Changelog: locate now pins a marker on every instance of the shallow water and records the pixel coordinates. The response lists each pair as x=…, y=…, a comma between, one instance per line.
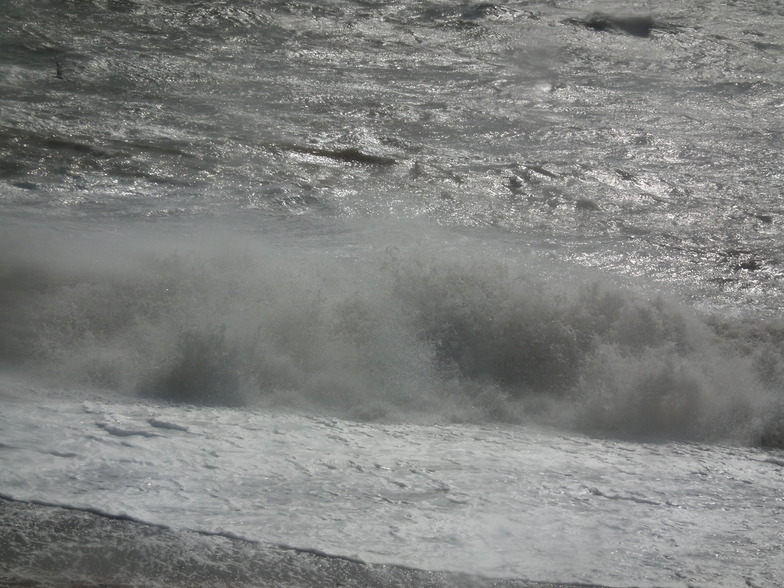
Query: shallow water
x=497, y=501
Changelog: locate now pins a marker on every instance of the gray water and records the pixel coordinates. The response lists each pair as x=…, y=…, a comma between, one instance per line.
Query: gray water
x=433, y=214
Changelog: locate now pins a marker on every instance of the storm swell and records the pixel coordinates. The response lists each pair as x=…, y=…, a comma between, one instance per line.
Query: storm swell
x=404, y=333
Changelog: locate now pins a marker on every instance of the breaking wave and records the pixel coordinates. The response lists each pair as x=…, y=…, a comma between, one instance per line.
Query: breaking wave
x=399, y=332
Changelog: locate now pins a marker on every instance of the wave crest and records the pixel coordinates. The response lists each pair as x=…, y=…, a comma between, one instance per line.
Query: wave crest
x=406, y=333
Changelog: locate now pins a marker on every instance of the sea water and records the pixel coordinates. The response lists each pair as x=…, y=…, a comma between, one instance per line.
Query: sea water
x=383, y=293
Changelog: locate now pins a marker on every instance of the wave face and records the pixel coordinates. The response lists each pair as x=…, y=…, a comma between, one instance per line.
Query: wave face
x=400, y=332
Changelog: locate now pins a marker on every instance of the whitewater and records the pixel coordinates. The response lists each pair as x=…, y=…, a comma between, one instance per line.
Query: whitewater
x=370, y=293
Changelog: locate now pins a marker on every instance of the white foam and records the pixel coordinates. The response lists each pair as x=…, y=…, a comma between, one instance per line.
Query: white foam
x=512, y=501
x=390, y=330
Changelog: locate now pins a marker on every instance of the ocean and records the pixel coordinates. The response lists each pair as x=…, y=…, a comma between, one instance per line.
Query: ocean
x=388, y=293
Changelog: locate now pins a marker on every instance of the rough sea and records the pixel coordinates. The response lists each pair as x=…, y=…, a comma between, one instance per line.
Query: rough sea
x=391, y=293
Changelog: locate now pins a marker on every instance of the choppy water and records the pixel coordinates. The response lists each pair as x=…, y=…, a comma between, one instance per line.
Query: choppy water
x=373, y=268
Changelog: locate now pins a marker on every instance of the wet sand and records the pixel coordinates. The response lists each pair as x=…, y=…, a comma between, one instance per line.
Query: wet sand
x=49, y=546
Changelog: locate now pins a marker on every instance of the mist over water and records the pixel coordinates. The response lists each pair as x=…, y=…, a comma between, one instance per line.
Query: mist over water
x=423, y=329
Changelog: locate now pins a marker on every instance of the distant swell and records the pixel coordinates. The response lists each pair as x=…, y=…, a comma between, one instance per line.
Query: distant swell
x=402, y=333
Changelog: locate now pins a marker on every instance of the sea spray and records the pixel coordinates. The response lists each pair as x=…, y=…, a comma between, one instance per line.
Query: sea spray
x=405, y=332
